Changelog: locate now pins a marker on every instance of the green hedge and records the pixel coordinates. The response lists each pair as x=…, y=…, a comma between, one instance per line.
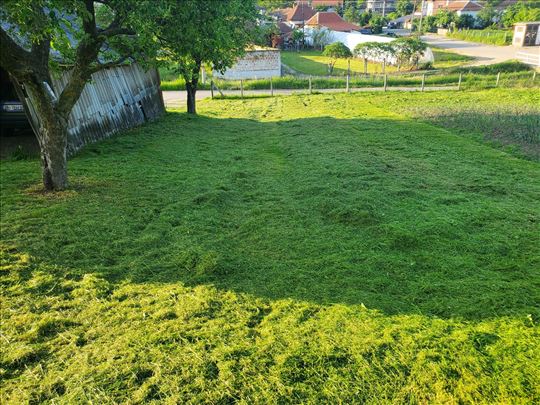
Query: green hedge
x=490, y=37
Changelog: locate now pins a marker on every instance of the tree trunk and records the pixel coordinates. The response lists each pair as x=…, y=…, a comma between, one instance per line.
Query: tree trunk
x=53, y=144
x=191, y=100
x=192, y=80
x=51, y=134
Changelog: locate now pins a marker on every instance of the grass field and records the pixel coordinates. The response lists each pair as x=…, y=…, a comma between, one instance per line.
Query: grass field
x=314, y=63
x=315, y=249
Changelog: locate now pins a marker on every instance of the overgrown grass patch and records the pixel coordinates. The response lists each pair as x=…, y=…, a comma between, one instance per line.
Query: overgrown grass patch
x=485, y=36
x=509, y=121
x=313, y=248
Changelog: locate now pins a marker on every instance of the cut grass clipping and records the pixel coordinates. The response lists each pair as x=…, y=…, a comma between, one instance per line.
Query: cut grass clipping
x=303, y=249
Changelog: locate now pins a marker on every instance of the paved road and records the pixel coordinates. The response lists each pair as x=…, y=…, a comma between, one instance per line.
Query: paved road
x=174, y=99
x=485, y=54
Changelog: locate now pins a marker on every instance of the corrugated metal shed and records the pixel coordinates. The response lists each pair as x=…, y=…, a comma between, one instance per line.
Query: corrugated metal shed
x=115, y=99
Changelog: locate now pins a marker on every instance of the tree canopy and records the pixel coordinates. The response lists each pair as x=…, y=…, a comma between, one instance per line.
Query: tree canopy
x=335, y=51
x=83, y=36
x=404, y=7
x=193, y=33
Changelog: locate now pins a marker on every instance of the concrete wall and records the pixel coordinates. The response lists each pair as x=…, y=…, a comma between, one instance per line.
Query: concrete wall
x=257, y=64
x=520, y=31
x=115, y=99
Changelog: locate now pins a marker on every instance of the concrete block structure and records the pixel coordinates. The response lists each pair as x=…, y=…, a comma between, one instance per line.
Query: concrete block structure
x=527, y=34
x=257, y=63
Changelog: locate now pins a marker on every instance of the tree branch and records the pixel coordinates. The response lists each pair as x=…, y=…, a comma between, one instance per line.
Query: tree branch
x=13, y=57
x=101, y=66
x=113, y=31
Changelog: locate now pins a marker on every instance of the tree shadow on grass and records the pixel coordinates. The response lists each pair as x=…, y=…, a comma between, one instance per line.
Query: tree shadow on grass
x=397, y=215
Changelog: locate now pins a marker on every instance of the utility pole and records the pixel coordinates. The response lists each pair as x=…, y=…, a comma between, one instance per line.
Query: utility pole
x=421, y=15
x=383, y=7
x=414, y=11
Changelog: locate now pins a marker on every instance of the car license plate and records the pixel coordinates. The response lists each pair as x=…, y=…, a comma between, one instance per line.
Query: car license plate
x=13, y=108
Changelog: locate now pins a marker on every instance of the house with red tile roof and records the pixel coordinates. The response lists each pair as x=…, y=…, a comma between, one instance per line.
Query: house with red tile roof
x=297, y=15
x=332, y=21
x=432, y=7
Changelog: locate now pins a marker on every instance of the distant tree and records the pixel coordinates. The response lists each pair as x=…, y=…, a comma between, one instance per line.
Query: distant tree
x=377, y=22
x=521, y=12
x=265, y=32
x=321, y=8
x=335, y=51
x=429, y=24
x=465, y=21
x=408, y=51
x=364, y=18
x=321, y=37
x=193, y=33
x=445, y=18
x=351, y=14
x=365, y=51
x=486, y=17
x=275, y=4
x=298, y=37
x=404, y=7
x=356, y=5
x=375, y=51
x=85, y=36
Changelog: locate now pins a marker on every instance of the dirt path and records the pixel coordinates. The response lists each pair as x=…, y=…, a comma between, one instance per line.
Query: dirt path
x=484, y=54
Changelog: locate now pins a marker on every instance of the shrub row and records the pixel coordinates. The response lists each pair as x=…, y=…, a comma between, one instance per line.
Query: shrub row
x=490, y=37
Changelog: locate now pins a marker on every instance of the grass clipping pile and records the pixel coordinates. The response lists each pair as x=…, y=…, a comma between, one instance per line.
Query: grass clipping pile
x=82, y=339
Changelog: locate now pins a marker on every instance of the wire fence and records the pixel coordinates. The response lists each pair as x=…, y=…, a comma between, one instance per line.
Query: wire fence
x=412, y=82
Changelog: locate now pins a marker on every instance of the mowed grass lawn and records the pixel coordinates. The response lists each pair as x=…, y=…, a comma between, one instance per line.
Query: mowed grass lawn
x=313, y=62
x=315, y=249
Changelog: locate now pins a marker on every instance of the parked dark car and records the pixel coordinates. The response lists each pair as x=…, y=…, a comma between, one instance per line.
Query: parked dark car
x=12, y=115
x=366, y=30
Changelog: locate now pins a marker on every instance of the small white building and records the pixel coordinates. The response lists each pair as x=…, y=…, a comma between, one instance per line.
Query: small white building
x=526, y=34
x=257, y=63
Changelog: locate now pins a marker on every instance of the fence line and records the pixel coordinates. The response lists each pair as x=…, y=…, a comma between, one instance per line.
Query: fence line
x=384, y=83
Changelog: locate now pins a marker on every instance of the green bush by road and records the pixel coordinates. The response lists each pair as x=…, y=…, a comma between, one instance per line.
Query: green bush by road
x=489, y=37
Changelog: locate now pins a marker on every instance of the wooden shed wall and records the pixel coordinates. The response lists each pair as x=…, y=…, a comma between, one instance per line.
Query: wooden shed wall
x=115, y=99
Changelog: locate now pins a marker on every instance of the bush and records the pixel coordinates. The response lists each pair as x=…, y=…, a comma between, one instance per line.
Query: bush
x=490, y=37
x=465, y=21
x=429, y=24
x=377, y=22
x=335, y=51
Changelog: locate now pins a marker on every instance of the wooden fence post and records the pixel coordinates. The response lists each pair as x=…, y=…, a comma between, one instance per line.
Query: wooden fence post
x=534, y=76
x=459, y=82
x=242, y=88
x=212, y=88
x=498, y=78
x=385, y=85
x=271, y=88
x=423, y=81
x=309, y=84
x=348, y=85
